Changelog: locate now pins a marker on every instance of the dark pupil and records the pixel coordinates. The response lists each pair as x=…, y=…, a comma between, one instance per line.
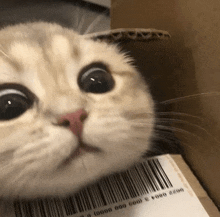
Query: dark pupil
x=13, y=105
x=97, y=82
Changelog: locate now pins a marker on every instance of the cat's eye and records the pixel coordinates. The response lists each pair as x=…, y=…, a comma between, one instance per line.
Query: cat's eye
x=13, y=103
x=96, y=79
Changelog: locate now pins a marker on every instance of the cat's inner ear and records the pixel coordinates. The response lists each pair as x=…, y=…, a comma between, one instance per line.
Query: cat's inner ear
x=137, y=34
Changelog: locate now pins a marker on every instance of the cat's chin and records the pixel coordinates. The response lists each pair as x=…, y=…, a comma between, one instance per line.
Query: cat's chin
x=83, y=167
x=80, y=151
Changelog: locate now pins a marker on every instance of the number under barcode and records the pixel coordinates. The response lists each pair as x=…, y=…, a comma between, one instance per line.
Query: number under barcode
x=142, y=179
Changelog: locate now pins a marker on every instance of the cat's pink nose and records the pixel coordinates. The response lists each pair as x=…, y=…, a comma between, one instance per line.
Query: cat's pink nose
x=74, y=121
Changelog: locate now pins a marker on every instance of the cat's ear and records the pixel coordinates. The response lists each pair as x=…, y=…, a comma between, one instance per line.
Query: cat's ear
x=118, y=35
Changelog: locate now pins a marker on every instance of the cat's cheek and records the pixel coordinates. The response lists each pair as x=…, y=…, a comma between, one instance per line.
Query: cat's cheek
x=46, y=153
x=59, y=145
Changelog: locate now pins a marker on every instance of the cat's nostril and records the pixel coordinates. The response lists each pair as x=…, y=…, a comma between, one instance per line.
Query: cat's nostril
x=83, y=117
x=74, y=121
x=65, y=123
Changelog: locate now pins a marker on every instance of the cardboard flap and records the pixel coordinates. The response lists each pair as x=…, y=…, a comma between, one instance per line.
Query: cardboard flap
x=138, y=34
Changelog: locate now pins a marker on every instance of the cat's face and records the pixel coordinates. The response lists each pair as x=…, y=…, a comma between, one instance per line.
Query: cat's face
x=46, y=73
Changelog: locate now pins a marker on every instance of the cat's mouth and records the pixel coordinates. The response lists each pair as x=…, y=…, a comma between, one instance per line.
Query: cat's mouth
x=80, y=151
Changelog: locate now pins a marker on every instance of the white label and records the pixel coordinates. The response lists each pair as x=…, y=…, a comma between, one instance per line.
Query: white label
x=156, y=187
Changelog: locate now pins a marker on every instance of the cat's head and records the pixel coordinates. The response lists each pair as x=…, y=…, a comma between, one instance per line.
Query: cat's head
x=72, y=109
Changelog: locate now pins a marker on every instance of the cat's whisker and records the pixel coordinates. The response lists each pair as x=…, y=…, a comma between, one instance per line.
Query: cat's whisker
x=94, y=23
x=171, y=128
x=83, y=163
x=165, y=139
x=157, y=149
x=188, y=139
x=193, y=96
x=169, y=120
x=81, y=23
x=99, y=18
x=2, y=52
x=78, y=15
x=167, y=135
x=178, y=130
x=191, y=147
x=185, y=115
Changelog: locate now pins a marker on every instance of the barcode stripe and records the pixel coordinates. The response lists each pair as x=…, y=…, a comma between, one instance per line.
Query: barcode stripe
x=88, y=203
x=38, y=210
x=144, y=178
x=47, y=209
x=17, y=209
x=125, y=187
x=138, y=181
x=102, y=196
x=82, y=198
x=112, y=195
x=98, y=196
x=109, y=190
x=58, y=207
x=164, y=175
x=130, y=176
x=121, y=186
x=42, y=210
x=81, y=202
x=92, y=198
x=142, y=181
x=78, y=202
x=70, y=206
x=162, y=181
x=115, y=187
x=128, y=185
x=149, y=176
x=51, y=209
x=27, y=210
x=159, y=174
x=107, y=193
x=73, y=202
x=155, y=176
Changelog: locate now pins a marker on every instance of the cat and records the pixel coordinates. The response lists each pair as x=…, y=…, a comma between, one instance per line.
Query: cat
x=73, y=108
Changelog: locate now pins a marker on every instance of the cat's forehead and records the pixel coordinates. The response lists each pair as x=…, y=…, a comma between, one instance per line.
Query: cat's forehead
x=48, y=59
x=24, y=39
x=28, y=47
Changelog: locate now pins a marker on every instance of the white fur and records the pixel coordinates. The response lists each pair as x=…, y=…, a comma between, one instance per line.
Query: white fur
x=33, y=149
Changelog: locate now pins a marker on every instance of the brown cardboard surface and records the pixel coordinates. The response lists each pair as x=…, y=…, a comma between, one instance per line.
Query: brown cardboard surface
x=186, y=65
x=197, y=188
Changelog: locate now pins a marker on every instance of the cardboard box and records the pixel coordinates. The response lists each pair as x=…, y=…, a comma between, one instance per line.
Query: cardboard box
x=197, y=188
x=188, y=64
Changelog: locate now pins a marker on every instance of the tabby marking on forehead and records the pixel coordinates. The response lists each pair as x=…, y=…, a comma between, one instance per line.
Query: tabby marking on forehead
x=66, y=47
x=7, y=71
x=61, y=47
x=26, y=54
x=7, y=59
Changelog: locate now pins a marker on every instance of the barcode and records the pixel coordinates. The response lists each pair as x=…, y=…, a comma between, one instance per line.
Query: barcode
x=142, y=179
